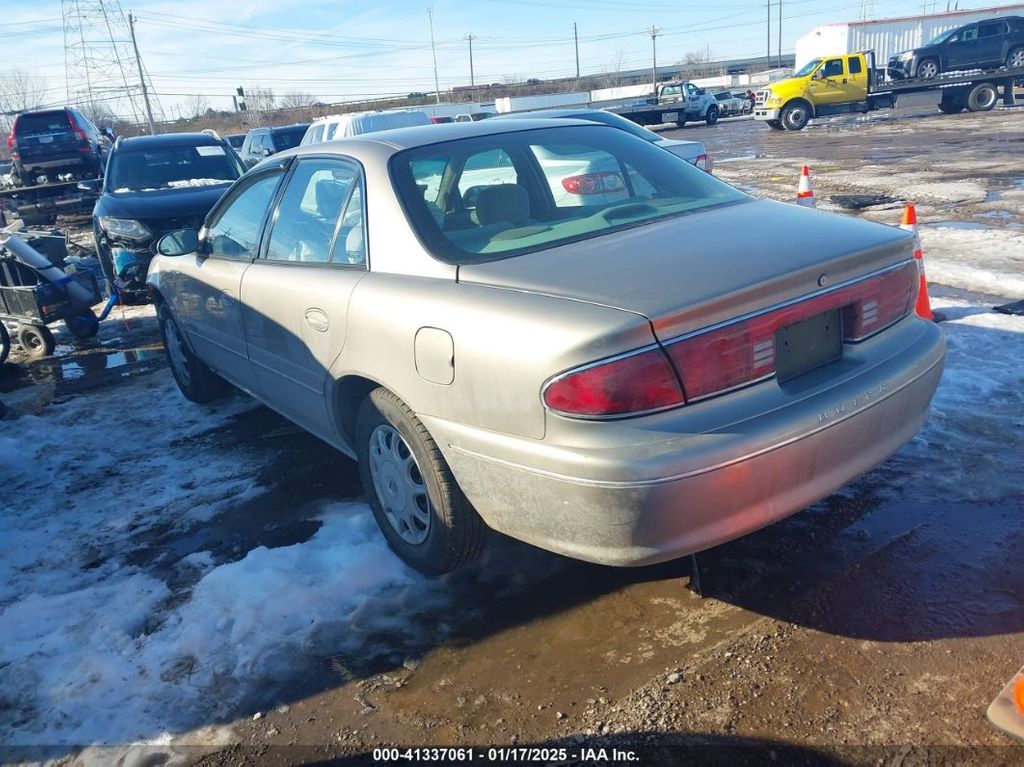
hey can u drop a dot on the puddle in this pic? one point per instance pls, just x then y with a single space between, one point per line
80 366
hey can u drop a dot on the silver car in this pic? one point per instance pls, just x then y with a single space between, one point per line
593 373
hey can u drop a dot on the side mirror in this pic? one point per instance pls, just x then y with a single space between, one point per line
265 151
89 185
178 243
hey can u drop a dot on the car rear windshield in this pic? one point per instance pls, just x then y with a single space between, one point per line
37 123
288 138
492 197
169 167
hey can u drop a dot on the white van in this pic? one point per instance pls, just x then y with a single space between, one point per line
334 127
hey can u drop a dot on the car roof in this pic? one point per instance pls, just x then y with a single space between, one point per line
436 133
553 113
293 126
169 139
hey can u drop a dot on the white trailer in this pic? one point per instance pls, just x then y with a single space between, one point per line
889 36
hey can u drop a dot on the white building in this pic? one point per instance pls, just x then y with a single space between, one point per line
888 36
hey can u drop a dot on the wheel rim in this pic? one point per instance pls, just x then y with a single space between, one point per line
176 351
399 485
33 341
1016 59
927 70
795 117
985 98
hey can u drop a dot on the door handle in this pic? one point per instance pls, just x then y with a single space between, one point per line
317 319
844 81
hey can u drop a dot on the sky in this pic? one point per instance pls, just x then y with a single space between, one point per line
339 50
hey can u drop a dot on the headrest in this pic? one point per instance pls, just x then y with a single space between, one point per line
503 203
329 197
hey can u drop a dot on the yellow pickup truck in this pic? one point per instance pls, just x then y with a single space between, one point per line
850 83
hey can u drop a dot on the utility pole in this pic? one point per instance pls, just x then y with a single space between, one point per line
142 78
576 43
780 33
472 81
768 32
654 32
433 52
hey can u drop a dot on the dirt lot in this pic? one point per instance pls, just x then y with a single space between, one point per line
877 625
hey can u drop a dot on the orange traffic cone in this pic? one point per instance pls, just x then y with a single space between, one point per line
805 192
909 223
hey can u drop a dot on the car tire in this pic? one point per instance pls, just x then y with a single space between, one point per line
712 115
194 377
795 116
680 123
5 343
982 97
1015 58
417 503
774 124
83 325
927 69
36 341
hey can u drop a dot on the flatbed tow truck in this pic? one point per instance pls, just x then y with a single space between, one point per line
850 83
40 205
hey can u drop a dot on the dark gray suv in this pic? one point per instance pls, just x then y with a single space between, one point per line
46 146
983 45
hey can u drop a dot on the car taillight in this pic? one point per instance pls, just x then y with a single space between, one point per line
703 162
639 382
742 352
880 301
10 141
83 138
593 183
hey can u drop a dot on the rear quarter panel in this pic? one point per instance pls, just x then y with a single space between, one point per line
506 345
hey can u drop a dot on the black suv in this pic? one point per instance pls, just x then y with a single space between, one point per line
263 142
154 185
983 45
50 145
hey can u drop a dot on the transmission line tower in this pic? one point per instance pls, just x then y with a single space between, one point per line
104 75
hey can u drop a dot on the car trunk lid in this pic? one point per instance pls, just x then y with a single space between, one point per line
705 268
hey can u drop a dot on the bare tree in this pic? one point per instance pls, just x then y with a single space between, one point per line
19 91
613 70
295 100
195 106
260 99
696 63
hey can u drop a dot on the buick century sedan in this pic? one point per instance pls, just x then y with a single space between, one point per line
535 327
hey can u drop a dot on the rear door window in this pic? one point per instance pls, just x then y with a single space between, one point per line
854 63
992 29
310 209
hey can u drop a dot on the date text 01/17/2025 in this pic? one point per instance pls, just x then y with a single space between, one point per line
500 754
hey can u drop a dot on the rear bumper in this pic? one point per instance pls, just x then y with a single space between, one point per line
670 494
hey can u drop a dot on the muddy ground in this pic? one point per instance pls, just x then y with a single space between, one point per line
877 625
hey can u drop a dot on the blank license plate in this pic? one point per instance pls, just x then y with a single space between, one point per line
669 117
804 346
46 139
